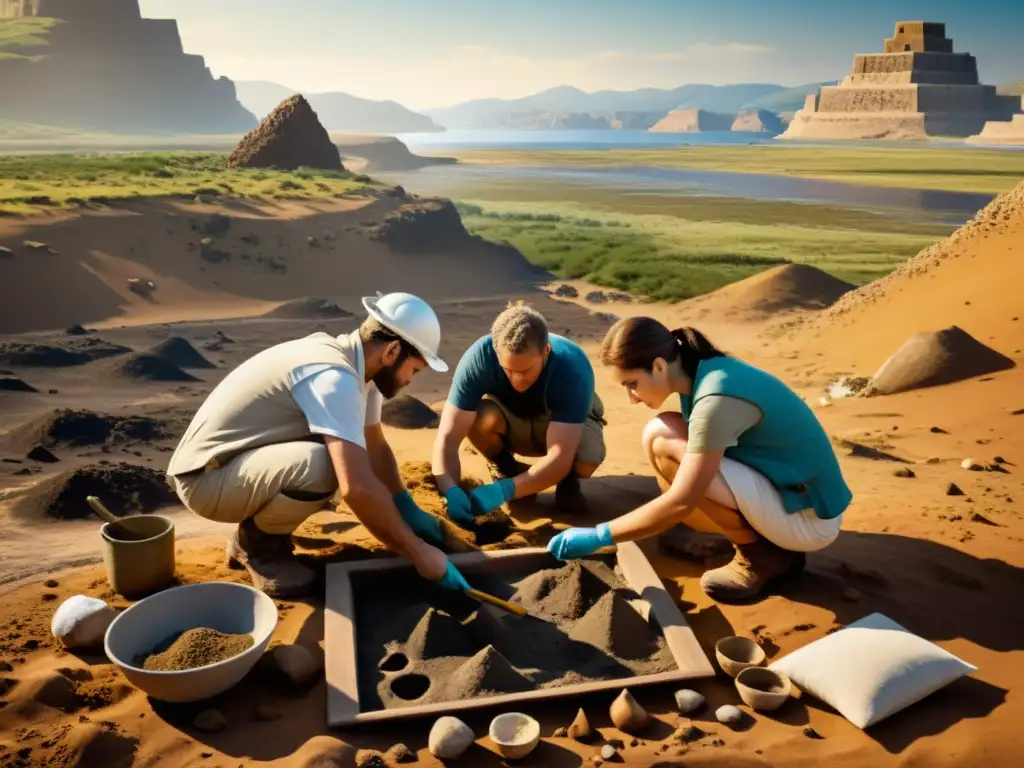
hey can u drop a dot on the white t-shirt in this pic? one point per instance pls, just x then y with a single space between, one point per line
336 402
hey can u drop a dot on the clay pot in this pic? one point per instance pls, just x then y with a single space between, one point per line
141 566
763 689
735 654
514 734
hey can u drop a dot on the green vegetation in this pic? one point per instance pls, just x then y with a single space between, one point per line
25 33
959 169
30 181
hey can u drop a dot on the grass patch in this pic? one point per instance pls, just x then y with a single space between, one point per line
989 171
28 32
66 180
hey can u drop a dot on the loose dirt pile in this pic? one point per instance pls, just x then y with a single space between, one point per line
934 358
14 384
196 648
406 412
126 489
181 352
68 428
422 225
142 366
74 351
455 649
288 138
309 308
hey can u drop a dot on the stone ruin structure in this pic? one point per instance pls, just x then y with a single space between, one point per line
918 88
105 67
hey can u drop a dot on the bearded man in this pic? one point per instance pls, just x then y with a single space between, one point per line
300 421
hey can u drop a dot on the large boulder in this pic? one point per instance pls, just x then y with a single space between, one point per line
289 137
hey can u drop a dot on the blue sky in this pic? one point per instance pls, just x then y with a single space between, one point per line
434 53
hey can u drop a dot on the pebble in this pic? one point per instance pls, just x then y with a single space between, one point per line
728 714
972 465
81 622
400 753
689 733
904 472
449 738
296 663
608 752
51 583
998 460
560 733
370 758
954 490
851 595
810 733
933 460
211 721
688 701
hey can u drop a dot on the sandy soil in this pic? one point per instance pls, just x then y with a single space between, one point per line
946 567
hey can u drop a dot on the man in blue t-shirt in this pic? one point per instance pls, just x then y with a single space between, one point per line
520 390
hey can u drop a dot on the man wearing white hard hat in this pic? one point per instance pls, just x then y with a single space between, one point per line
300 421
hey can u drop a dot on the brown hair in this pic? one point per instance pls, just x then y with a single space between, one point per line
636 342
374 332
519 328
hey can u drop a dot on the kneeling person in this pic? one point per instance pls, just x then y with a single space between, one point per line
291 425
520 390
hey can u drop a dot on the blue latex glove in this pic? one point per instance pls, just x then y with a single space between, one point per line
459 508
580 542
491 496
453 580
423 524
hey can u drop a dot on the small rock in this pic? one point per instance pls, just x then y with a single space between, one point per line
51 583
596 760
728 714
998 460
81 622
580 728
933 460
689 733
810 733
938 431
313 242
6 253
211 721
953 490
34 245
560 733
634 742
399 753
972 465
5 666
904 472
566 291
449 738
608 752
296 663
851 595
43 454
688 701
370 758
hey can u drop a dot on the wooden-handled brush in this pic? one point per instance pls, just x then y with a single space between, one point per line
497 602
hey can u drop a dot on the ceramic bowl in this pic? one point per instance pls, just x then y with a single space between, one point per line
736 653
763 689
220 605
515 734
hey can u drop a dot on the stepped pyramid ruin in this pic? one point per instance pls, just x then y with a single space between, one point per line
101 66
916 89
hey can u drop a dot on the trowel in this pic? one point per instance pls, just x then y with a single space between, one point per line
122 532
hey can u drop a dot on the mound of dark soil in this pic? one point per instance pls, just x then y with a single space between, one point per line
289 137
309 308
126 489
563 593
66 428
180 352
14 384
436 635
795 286
488 672
407 412
77 330
76 350
934 358
613 625
141 366
421 225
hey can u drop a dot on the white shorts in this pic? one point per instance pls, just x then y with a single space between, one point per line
761 505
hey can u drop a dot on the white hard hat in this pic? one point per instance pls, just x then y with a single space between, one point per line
411 318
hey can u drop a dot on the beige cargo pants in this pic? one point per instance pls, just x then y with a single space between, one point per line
279 485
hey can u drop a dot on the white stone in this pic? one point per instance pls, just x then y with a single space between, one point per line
608 752
81 621
728 714
296 662
449 738
688 701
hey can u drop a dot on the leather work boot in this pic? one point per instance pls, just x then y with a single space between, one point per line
269 560
569 495
751 569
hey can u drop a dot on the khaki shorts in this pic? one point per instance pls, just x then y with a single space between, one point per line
528 437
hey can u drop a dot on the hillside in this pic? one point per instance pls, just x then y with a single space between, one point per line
566 100
1012 89
337 111
789 100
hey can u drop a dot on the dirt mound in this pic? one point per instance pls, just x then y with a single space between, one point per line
436 635
562 593
141 366
14 384
75 351
787 287
613 625
289 137
180 352
934 358
421 225
486 673
407 412
309 308
126 489
78 428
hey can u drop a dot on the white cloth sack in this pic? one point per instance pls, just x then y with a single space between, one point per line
871 669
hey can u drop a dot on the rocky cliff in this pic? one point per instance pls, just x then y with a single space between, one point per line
693 121
101 66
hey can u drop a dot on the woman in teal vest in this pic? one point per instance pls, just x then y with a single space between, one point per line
746 458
